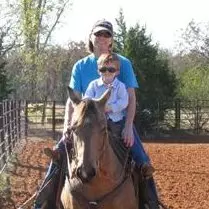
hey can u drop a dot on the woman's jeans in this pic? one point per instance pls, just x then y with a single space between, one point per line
137 150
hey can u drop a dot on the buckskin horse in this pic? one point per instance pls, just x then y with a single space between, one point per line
96 177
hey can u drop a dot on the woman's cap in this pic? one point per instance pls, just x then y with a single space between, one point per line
103 25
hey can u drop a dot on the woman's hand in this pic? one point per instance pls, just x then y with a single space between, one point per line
66 133
128 135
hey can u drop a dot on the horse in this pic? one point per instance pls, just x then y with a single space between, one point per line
96 177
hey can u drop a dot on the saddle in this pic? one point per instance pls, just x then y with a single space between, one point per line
122 152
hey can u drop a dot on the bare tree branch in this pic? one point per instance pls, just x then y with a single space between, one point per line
41 6
59 13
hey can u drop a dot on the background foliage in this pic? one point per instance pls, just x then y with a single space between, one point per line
32 67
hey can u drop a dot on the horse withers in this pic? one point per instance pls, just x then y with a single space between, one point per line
96 177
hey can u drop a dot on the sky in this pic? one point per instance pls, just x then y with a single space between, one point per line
163 18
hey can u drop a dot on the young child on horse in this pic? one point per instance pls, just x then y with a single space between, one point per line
108 69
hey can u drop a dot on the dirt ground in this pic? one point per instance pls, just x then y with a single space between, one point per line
182 173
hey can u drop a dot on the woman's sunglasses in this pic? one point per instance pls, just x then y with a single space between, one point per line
109 69
103 34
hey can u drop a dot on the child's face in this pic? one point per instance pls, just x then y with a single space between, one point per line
108 72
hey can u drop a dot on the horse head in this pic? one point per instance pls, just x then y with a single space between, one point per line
89 129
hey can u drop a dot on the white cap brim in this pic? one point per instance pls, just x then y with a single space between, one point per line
100 28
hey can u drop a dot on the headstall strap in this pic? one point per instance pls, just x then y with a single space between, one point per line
86 204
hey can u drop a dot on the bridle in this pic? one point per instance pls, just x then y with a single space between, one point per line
74 150
89 204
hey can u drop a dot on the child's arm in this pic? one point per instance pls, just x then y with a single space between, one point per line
121 102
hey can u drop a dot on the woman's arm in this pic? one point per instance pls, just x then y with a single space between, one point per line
131 109
68 113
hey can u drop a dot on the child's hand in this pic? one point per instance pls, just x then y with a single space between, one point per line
107 109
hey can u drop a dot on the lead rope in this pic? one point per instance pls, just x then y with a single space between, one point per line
68 163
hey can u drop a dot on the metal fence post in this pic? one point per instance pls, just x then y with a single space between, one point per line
15 122
2 139
12 124
177 114
8 125
53 120
26 119
197 119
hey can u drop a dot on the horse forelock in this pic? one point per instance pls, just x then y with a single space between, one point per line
86 112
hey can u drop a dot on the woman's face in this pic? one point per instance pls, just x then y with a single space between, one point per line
101 41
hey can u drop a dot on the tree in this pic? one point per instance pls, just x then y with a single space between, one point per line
195 41
193 61
4 84
157 81
120 35
58 63
39 19
9 26
5 88
194 84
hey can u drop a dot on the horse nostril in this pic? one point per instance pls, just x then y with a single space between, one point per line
85 175
93 172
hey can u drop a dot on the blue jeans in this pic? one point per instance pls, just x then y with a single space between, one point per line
61 145
137 150
139 156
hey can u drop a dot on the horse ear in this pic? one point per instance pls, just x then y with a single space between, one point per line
73 96
103 99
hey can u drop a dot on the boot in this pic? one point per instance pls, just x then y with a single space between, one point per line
48 187
148 198
55 155
147 170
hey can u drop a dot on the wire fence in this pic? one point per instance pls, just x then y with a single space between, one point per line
22 119
13 128
178 117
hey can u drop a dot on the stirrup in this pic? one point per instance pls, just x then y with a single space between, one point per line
147 170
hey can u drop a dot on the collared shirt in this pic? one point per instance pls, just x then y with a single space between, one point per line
85 70
118 100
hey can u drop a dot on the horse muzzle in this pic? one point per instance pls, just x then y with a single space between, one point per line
86 175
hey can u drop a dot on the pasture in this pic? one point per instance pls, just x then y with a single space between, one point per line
182 173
